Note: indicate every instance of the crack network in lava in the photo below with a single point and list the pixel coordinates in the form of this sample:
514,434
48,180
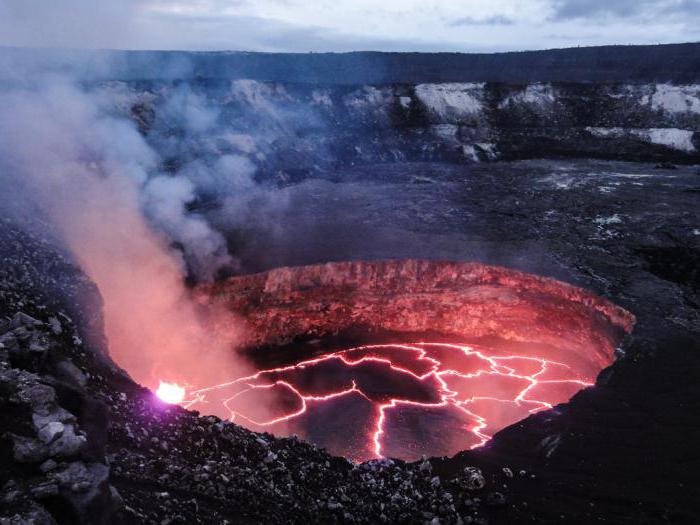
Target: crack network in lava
399,400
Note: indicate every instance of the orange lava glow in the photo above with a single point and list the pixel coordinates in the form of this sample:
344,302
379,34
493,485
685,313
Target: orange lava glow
170,392
395,400
533,343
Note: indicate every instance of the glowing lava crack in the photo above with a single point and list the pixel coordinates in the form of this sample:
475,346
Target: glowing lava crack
526,343
396,400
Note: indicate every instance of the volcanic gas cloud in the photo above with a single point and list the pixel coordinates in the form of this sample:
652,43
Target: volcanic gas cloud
69,166
466,350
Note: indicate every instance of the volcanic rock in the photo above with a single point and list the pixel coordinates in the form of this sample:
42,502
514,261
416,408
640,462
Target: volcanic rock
68,443
466,301
29,450
495,499
51,431
473,479
71,373
44,490
630,439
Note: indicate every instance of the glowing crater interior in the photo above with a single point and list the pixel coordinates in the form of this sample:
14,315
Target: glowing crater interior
530,343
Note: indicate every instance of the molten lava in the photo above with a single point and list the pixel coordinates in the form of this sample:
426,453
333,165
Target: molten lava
527,343
170,393
396,400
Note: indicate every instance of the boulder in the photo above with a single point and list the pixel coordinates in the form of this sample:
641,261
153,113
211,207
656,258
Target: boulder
86,489
473,478
51,432
41,398
72,374
28,450
68,443
56,414
20,319
44,490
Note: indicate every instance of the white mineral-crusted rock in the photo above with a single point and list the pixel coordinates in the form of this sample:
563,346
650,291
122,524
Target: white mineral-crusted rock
262,97
672,98
452,102
680,139
538,95
469,152
445,131
322,97
370,104
674,138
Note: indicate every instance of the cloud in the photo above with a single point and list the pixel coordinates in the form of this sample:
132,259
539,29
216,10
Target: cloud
71,23
627,9
342,25
176,25
496,20
244,32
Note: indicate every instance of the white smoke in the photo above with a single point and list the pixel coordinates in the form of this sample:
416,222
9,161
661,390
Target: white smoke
93,175
165,198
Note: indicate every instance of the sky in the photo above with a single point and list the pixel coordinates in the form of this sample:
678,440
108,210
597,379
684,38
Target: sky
345,25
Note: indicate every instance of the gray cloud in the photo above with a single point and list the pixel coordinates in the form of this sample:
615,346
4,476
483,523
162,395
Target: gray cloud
72,23
264,34
498,20
596,9
134,24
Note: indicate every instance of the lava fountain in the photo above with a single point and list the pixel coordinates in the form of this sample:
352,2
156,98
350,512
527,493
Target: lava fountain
406,358
171,392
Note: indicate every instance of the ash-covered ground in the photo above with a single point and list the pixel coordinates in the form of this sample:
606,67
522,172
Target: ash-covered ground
83,444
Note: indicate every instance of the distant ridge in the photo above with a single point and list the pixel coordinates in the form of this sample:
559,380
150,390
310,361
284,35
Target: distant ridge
659,63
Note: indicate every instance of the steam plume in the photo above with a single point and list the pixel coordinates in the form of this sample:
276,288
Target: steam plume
91,174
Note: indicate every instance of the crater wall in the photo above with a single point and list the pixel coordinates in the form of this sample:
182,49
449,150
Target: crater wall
469,301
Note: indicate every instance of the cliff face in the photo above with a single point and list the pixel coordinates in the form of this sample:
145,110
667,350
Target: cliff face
481,122
470,301
294,130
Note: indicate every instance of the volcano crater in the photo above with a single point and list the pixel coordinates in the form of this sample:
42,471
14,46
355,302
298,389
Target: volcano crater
407,358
